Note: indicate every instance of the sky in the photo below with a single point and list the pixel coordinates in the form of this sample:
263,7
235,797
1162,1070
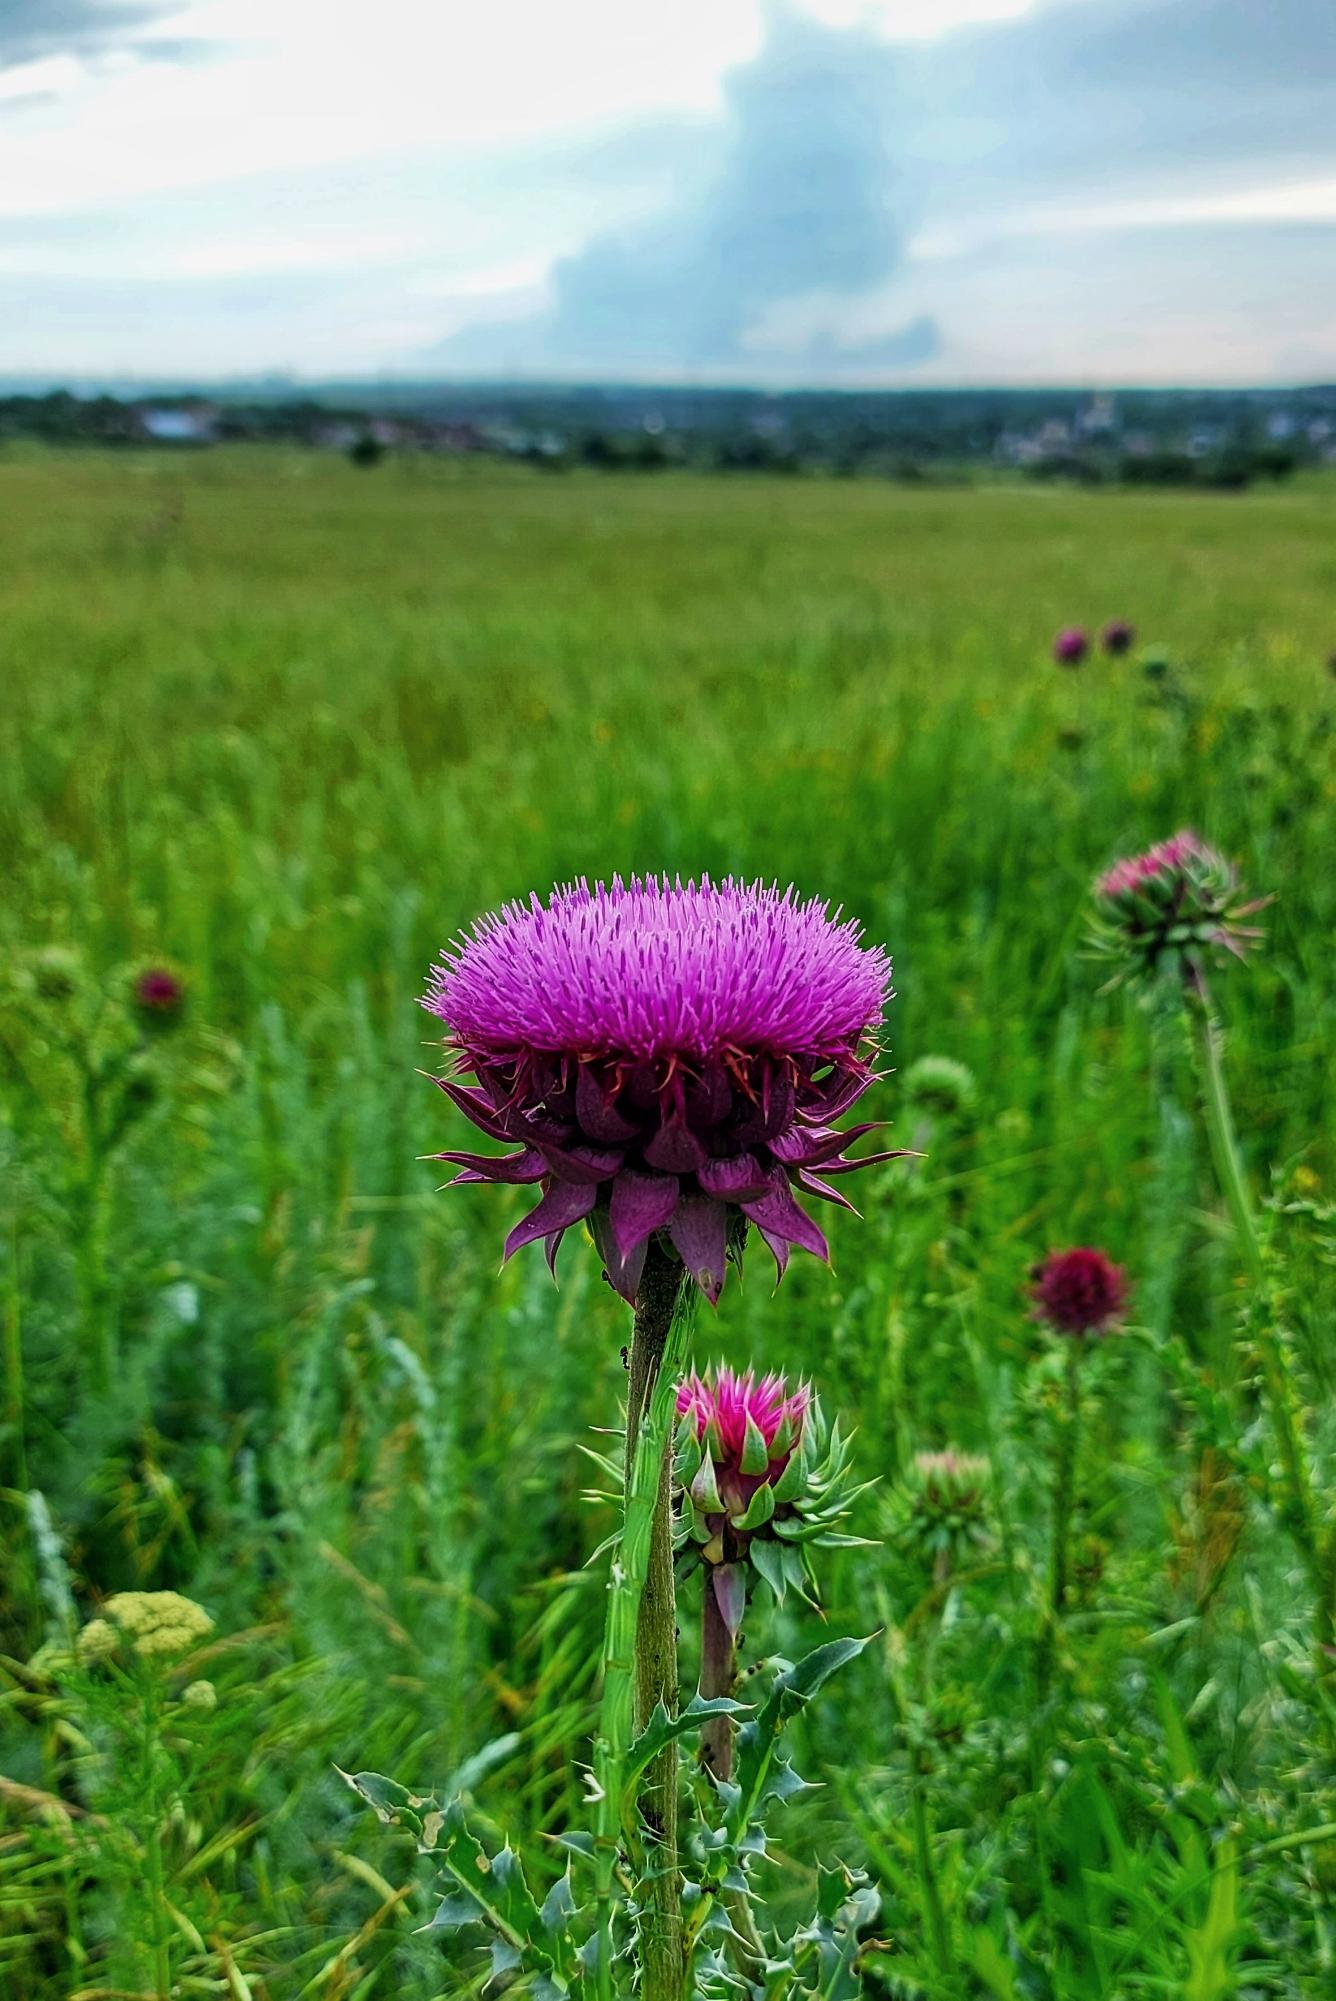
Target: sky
787,192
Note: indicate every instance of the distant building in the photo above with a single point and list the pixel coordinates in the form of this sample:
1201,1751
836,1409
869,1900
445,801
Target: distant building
180,423
1099,419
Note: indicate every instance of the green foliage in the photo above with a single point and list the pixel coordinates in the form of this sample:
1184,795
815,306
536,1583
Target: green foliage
287,727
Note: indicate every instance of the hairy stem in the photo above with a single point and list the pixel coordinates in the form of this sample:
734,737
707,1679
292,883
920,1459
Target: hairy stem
657,1353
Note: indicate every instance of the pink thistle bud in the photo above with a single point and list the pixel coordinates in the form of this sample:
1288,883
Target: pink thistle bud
749,1429
1070,646
670,1059
760,1479
1168,909
1078,1292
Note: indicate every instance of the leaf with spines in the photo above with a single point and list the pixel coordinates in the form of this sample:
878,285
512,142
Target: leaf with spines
663,1729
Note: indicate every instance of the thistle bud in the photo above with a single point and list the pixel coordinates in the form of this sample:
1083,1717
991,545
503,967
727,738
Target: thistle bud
942,1507
1080,1292
159,997
760,1480
1170,910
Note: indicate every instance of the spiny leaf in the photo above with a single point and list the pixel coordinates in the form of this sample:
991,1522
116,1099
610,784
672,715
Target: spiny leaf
663,1729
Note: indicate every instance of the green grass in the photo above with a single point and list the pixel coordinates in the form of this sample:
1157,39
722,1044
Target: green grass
290,725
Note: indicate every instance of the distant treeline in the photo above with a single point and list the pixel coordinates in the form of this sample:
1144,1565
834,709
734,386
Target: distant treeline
1219,439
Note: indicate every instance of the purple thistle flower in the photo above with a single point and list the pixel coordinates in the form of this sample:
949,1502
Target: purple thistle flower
1079,1291
1070,646
667,1057
1117,636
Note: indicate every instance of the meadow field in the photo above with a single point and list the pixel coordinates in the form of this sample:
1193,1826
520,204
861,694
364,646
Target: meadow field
282,726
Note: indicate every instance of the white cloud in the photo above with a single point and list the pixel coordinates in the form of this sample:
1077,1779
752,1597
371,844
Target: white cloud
234,184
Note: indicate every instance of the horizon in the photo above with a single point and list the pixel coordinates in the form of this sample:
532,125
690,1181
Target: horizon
275,382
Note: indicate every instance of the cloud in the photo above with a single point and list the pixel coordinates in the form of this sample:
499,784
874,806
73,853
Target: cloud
802,204
1124,93
32,30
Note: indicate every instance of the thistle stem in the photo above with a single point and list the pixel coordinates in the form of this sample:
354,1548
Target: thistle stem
1064,1499
718,1671
1280,1392
640,1645
938,1929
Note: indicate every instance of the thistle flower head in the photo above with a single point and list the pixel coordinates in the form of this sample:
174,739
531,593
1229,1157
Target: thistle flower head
759,1475
1117,636
1078,1292
1167,910
1070,646
668,1058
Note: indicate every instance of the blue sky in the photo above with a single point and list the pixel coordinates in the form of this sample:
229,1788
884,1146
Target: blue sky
910,192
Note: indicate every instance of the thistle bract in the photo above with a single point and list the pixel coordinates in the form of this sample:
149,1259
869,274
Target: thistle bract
760,1478
1168,910
1079,1292
668,1058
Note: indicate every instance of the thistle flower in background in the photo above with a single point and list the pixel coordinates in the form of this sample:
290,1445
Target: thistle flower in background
950,1483
1167,910
761,1480
159,996
1117,637
1070,646
669,1058
1078,1292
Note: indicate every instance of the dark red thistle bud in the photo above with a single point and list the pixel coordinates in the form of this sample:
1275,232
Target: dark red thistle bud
159,995
1079,1292
1070,646
1117,636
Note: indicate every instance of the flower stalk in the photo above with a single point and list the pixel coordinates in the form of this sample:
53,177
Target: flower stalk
657,1356
651,1400
1064,1495
718,1672
1301,1509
